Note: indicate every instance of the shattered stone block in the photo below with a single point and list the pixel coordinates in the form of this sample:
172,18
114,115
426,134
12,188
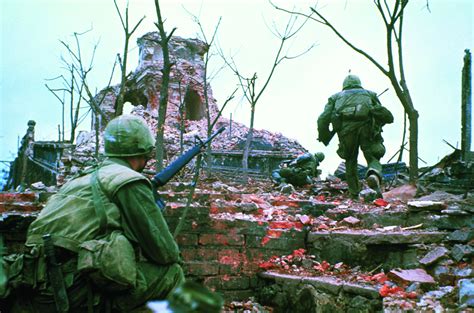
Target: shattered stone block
458,252
466,292
461,235
426,205
287,189
403,193
368,195
410,276
434,255
464,272
350,220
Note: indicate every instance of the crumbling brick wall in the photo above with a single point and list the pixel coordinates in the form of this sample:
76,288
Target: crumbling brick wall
219,251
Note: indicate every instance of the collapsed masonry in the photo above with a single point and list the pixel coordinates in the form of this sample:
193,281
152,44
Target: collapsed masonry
53,162
236,231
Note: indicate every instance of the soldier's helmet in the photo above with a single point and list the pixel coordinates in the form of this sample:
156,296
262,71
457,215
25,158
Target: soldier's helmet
128,135
319,156
351,81
191,297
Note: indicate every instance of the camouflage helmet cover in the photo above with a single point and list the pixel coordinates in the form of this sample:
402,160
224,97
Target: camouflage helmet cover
351,81
319,156
128,135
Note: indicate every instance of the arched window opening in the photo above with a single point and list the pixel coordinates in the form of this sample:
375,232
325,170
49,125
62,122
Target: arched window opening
193,106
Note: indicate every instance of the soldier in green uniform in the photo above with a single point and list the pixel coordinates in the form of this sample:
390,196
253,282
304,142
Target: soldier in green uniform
357,116
300,171
112,198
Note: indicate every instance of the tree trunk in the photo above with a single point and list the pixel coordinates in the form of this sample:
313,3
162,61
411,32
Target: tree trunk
160,131
466,107
163,105
413,160
248,142
413,121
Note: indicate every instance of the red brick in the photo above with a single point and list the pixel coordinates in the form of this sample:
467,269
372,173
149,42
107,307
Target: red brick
201,268
237,295
223,207
285,243
221,240
187,240
286,225
17,197
19,207
227,282
240,226
199,254
231,257
230,269
288,202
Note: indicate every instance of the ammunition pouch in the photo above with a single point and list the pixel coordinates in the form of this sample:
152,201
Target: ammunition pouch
26,270
382,115
110,262
355,112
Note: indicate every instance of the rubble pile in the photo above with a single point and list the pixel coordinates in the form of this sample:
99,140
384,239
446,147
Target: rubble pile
311,246
187,112
406,289
436,268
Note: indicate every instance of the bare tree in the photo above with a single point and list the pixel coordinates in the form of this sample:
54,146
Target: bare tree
163,42
72,88
248,84
123,61
208,77
77,87
392,17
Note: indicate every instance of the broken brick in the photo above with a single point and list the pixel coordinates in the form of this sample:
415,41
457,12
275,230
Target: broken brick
221,240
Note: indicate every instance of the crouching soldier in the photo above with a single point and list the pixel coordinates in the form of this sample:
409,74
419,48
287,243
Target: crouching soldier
300,171
101,244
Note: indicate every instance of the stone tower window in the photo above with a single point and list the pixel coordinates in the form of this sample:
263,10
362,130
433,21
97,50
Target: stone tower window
193,106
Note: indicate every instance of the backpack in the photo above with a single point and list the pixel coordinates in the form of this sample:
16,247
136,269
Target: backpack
353,105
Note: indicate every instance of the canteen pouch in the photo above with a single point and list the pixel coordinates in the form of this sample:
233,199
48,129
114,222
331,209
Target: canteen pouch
109,262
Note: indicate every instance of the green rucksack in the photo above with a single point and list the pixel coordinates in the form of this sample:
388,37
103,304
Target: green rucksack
110,261
355,106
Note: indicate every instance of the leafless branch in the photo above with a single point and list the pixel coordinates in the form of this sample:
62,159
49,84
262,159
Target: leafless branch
369,57
53,91
427,6
232,95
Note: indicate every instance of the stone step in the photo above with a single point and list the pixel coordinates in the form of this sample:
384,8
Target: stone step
291,293
389,249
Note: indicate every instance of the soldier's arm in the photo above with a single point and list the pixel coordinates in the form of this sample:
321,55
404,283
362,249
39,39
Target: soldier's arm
143,223
381,114
324,120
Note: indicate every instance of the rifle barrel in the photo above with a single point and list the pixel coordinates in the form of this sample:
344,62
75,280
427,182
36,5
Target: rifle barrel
161,178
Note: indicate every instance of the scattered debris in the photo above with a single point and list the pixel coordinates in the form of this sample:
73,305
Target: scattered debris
426,205
434,255
400,193
409,276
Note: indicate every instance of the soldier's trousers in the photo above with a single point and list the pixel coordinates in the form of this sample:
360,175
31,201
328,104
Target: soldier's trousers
153,283
372,147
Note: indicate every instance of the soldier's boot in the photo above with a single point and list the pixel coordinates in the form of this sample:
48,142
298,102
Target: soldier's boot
373,181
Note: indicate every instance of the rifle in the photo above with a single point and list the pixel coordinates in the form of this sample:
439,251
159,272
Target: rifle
55,274
168,172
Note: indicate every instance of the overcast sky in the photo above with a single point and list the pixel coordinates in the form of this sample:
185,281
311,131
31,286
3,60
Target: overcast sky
434,44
